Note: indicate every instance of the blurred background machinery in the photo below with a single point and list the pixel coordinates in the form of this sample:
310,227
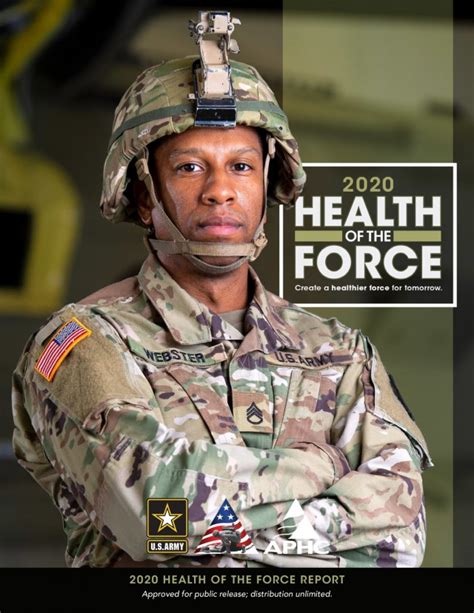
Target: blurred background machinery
359,83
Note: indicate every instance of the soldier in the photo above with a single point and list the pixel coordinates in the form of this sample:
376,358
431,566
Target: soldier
190,379
229,540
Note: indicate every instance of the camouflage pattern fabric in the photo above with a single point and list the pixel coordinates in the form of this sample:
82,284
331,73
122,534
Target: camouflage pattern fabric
157,104
154,403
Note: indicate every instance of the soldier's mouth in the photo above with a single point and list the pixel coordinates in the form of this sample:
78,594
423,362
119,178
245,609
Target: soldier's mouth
219,225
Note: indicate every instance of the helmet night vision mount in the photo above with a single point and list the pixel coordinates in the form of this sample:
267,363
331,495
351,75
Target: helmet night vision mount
213,92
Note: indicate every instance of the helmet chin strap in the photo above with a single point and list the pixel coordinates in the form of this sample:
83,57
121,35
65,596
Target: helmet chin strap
193,249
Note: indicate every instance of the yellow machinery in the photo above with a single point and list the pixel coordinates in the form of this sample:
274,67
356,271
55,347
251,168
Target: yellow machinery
39,207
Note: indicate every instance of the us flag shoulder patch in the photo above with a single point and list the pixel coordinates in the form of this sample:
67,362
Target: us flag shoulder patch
68,335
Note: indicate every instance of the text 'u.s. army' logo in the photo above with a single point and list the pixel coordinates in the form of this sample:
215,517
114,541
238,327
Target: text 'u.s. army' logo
167,525
254,414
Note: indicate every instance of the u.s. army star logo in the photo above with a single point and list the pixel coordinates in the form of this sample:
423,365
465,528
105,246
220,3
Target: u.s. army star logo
254,414
167,519
167,525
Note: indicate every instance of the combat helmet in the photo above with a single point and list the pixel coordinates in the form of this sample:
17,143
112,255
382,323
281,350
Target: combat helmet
204,91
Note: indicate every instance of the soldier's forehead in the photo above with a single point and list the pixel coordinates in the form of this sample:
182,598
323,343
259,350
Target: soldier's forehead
240,137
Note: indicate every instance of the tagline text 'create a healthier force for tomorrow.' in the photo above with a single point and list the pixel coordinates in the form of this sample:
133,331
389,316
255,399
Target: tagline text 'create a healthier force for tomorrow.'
351,287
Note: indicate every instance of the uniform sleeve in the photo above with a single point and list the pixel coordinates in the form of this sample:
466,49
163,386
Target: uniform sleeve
99,427
374,515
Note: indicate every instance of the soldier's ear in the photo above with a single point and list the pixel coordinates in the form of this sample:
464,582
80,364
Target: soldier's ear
142,201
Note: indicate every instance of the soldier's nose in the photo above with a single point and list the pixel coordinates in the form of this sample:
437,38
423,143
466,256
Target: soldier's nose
218,189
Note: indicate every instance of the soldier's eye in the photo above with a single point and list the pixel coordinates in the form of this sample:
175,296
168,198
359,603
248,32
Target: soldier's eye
242,166
189,167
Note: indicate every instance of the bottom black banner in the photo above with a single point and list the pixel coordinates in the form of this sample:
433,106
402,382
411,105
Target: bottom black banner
53,589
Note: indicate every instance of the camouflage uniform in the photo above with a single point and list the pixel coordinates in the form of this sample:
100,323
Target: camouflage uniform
154,403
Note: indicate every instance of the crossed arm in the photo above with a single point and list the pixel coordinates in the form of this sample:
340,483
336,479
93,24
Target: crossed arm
362,492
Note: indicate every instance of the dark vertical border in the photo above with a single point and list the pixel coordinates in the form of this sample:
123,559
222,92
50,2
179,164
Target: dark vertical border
463,355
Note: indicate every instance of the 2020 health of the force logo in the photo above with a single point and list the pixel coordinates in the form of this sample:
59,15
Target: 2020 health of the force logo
371,235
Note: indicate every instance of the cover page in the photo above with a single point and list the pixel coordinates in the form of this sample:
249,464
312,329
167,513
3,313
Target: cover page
379,98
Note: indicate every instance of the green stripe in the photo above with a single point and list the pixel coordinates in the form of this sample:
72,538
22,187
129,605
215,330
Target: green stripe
180,109
255,105
415,236
166,111
318,236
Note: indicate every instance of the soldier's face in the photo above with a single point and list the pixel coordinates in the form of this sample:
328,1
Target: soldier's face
210,182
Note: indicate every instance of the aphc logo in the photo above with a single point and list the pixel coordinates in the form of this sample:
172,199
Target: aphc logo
298,535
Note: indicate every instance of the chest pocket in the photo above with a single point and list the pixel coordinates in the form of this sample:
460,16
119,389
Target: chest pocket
207,390
190,390
309,408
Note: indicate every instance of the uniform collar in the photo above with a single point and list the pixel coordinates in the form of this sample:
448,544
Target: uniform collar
190,322
264,315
